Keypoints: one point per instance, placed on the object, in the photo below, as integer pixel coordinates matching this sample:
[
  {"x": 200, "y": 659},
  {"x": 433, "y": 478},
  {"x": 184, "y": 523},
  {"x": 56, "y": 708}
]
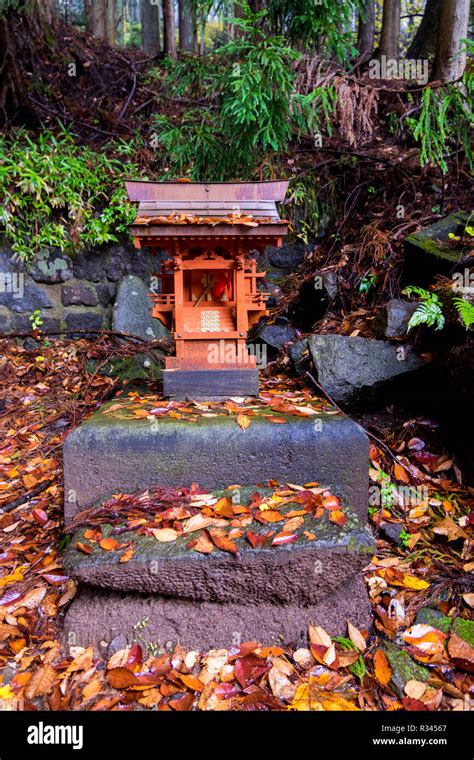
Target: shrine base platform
[
  {"x": 215, "y": 384},
  {"x": 117, "y": 452}
]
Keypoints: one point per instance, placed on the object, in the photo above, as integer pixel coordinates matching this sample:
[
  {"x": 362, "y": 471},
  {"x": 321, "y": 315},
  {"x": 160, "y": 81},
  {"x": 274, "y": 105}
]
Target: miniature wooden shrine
[{"x": 209, "y": 296}]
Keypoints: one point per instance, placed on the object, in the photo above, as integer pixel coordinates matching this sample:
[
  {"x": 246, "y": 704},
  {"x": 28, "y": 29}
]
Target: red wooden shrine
[{"x": 209, "y": 296}]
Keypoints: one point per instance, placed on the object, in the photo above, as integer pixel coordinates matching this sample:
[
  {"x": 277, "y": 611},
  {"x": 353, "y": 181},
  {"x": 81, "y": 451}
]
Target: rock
[
  {"x": 403, "y": 668},
  {"x": 96, "y": 616},
  {"x": 331, "y": 285},
  {"x": 108, "y": 454},
  {"x": 287, "y": 256},
  {"x": 78, "y": 295},
  {"x": 20, "y": 293},
  {"x": 123, "y": 259},
  {"x": 22, "y": 324},
  {"x": 299, "y": 355},
  {"x": 392, "y": 531},
  {"x": 349, "y": 366},
  {"x": 6, "y": 320},
  {"x": 83, "y": 321},
  {"x": 117, "y": 644},
  {"x": 278, "y": 334},
  {"x": 431, "y": 251},
  {"x": 132, "y": 311},
  {"x": 51, "y": 267},
  {"x": 398, "y": 315},
  {"x": 434, "y": 618},
  {"x": 106, "y": 293},
  {"x": 118, "y": 263},
  {"x": 302, "y": 572},
  {"x": 90, "y": 265},
  {"x": 30, "y": 344}
]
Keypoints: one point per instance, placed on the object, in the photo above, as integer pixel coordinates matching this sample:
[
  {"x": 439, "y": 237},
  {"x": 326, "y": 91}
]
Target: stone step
[
  {"x": 119, "y": 453},
  {"x": 98, "y": 617},
  {"x": 302, "y": 571}
]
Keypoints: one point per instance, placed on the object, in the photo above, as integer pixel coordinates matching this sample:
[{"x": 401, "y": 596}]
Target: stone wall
[
  {"x": 77, "y": 292},
  {"x": 72, "y": 292}
]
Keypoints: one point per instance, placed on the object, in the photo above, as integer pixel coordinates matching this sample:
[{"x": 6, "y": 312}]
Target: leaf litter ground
[{"x": 418, "y": 655}]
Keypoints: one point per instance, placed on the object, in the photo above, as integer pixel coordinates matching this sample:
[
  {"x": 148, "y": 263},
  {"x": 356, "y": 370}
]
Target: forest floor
[
  {"x": 362, "y": 174},
  {"x": 402, "y": 662}
]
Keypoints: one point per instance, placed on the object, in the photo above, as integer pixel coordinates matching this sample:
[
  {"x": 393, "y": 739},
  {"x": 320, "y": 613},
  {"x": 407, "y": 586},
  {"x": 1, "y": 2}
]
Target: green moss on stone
[
  {"x": 141, "y": 366},
  {"x": 434, "y": 618},
  {"x": 464, "y": 629},
  {"x": 435, "y": 240},
  {"x": 403, "y": 667}
]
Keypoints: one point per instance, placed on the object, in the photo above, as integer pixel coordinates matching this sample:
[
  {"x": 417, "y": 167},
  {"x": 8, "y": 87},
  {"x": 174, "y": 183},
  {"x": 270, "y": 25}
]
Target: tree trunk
[
  {"x": 169, "y": 40},
  {"x": 449, "y": 64},
  {"x": 110, "y": 21},
  {"x": 87, "y": 15},
  {"x": 390, "y": 34},
  {"x": 238, "y": 13},
  {"x": 150, "y": 22},
  {"x": 120, "y": 22},
  {"x": 97, "y": 18},
  {"x": 25, "y": 33},
  {"x": 45, "y": 8},
  {"x": 366, "y": 30},
  {"x": 423, "y": 44},
  {"x": 187, "y": 26}
]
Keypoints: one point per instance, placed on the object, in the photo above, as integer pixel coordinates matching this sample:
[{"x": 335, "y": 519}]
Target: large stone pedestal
[{"x": 167, "y": 591}]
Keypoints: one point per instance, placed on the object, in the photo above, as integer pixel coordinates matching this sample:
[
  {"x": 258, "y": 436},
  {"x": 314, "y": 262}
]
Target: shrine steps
[
  {"x": 168, "y": 591},
  {"x": 269, "y": 594},
  {"x": 319, "y": 559},
  {"x": 108, "y": 619}
]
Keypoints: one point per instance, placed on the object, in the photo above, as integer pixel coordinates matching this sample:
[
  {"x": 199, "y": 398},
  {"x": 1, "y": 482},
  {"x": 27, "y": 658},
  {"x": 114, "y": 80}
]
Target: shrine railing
[
  {"x": 163, "y": 299},
  {"x": 256, "y": 299}
]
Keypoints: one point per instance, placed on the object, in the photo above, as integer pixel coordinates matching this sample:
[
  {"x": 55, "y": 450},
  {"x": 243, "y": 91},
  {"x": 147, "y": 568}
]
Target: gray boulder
[
  {"x": 299, "y": 355},
  {"x": 51, "y": 266},
  {"x": 132, "y": 311},
  {"x": 398, "y": 314},
  {"x": 278, "y": 335},
  {"x": 431, "y": 251},
  {"x": 331, "y": 284},
  {"x": 288, "y": 256},
  {"x": 347, "y": 366}
]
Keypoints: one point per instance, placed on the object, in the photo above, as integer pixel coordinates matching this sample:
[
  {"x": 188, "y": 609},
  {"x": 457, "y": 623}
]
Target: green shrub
[
  {"x": 444, "y": 123},
  {"x": 59, "y": 194}
]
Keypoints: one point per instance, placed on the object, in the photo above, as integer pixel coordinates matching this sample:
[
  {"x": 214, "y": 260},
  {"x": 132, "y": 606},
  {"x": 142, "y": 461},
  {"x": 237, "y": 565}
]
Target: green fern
[
  {"x": 465, "y": 311},
  {"x": 429, "y": 310},
  {"x": 445, "y": 122}
]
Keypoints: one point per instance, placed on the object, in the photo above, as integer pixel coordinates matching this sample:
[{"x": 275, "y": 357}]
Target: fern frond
[
  {"x": 465, "y": 310},
  {"x": 429, "y": 310}
]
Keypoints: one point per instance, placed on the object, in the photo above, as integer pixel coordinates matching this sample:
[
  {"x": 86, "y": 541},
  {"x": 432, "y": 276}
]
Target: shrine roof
[{"x": 203, "y": 209}]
